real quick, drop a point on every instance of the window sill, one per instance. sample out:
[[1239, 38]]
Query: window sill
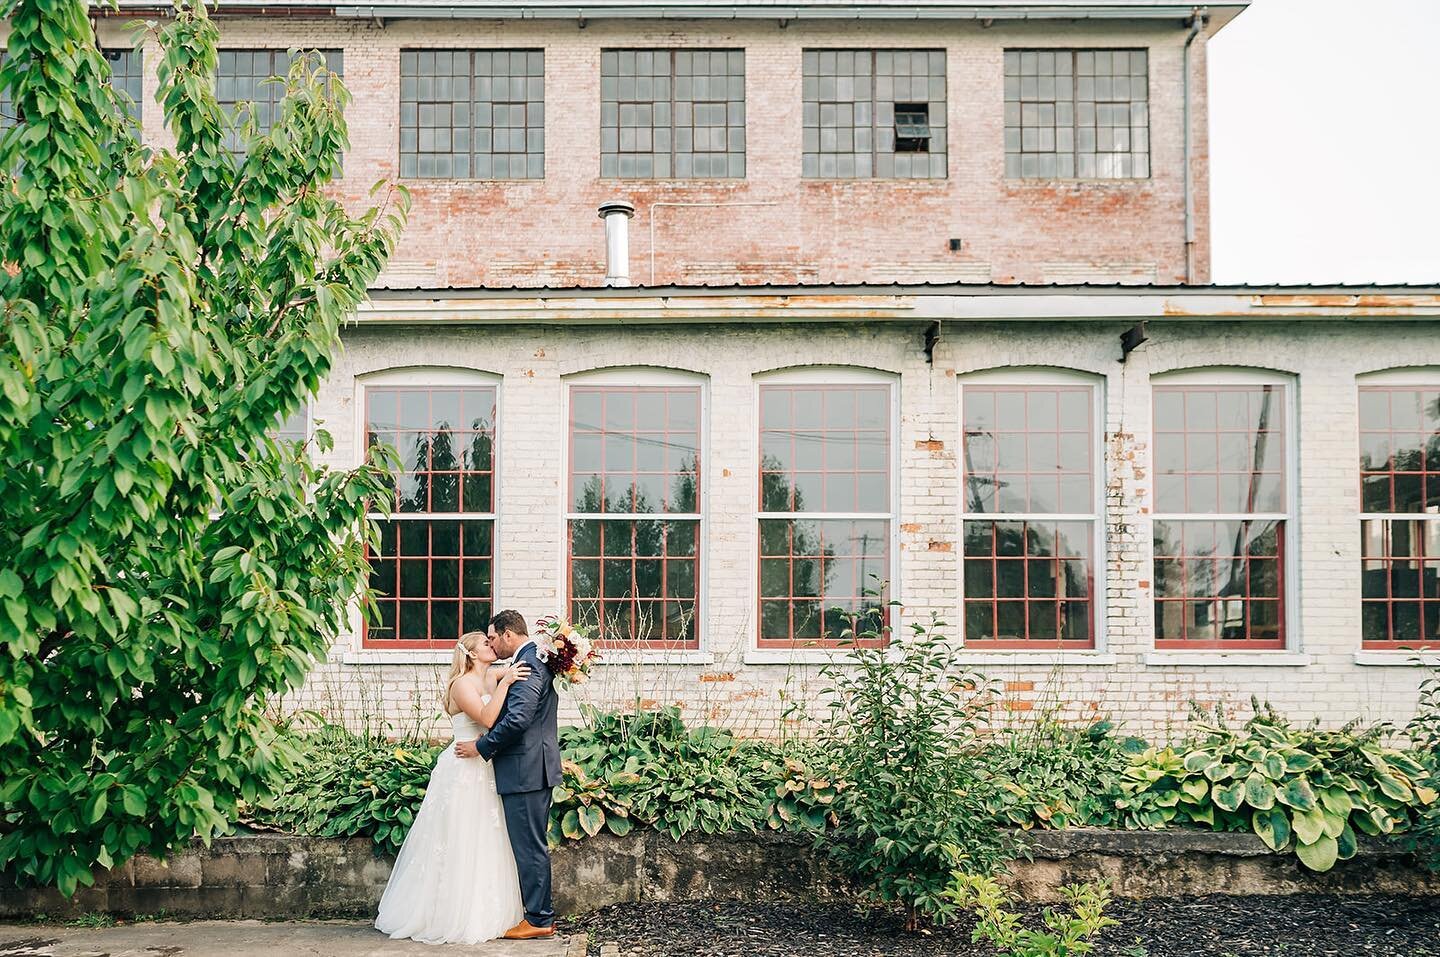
[[624, 656], [405, 656], [1398, 659], [1030, 658], [1219, 659]]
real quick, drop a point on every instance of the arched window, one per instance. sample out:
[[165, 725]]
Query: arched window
[[635, 511], [1031, 497], [1224, 508], [827, 502], [1400, 509], [434, 571]]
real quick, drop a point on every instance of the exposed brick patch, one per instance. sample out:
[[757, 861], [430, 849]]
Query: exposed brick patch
[[938, 546], [1019, 686], [930, 445], [1013, 705], [718, 676]]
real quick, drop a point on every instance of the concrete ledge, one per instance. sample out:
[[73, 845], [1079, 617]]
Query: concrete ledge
[[285, 877]]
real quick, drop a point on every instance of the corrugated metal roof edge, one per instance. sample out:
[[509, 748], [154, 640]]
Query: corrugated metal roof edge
[[908, 288]]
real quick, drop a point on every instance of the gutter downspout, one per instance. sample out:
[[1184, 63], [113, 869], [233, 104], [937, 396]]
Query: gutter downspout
[[1197, 24]]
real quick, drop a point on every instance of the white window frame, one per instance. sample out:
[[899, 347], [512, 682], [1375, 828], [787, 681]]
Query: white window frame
[[423, 377], [829, 375], [1292, 653], [1424, 377], [1030, 377], [643, 377]]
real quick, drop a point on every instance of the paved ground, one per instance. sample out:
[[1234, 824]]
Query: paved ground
[[233, 938]]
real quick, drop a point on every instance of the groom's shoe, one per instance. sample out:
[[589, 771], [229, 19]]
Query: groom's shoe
[[528, 931]]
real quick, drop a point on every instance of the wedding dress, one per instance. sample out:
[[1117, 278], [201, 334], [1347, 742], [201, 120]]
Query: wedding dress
[[455, 878]]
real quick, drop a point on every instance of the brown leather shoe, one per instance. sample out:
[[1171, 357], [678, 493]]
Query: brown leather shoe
[[528, 931]]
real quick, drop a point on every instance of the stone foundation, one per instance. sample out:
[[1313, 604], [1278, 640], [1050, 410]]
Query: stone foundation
[[285, 877]]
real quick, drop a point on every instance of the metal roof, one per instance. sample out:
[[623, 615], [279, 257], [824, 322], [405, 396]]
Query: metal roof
[[709, 9], [917, 288]]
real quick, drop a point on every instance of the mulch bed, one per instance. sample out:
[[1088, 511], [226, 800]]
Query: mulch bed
[[1213, 926]]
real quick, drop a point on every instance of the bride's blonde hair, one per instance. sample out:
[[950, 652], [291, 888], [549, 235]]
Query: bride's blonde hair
[[461, 664]]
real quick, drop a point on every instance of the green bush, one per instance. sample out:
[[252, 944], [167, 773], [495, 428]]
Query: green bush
[[1303, 789], [1054, 776], [349, 785], [902, 735], [1424, 733], [1064, 934]]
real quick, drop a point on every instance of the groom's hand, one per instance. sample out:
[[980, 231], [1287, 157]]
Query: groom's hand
[[466, 749]]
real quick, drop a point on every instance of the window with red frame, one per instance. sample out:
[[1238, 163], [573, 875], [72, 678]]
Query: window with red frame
[[1029, 461], [826, 510], [1400, 526], [433, 573], [633, 527], [1220, 516]]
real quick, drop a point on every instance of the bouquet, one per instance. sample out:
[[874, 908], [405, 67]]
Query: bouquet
[[568, 651]]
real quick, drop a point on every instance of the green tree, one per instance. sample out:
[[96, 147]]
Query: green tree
[[167, 569]]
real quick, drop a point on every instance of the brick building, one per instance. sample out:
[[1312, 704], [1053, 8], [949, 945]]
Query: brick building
[[917, 295]]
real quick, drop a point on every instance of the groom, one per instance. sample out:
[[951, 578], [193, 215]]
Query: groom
[[524, 748]]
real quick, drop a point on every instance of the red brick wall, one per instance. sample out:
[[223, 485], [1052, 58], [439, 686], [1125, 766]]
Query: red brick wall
[[546, 232]]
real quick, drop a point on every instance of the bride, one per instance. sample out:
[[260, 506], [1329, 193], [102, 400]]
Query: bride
[[455, 879]]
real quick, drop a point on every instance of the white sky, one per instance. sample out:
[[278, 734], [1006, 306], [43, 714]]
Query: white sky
[[1325, 139]]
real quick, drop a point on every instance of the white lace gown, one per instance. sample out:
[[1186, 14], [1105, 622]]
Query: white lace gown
[[455, 880]]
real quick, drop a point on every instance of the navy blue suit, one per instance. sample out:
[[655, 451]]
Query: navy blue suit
[[524, 748]]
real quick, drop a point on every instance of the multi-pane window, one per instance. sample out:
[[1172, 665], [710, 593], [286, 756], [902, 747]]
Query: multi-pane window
[[1221, 509], [826, 510], [874, 113], [1400, 526], [472, 114], [125, 75], [294, 427], [1077, 114], [633, 524], [672, 113], [255, 77], [433, 574], [1030, 515]]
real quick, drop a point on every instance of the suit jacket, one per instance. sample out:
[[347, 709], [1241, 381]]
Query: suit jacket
[[524, 745]]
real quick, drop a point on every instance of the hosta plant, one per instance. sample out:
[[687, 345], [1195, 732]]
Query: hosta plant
[[801, 800], [1308, 790]]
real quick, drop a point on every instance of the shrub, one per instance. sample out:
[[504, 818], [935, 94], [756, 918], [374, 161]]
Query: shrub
[[348, 785], [902, 736], [1424, 733], [1053, 776], [1064, 934], [1306, 789]]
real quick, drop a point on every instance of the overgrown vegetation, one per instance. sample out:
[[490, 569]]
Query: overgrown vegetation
[[1061, 933], [902, 734], [167, 569], [1424, 734]]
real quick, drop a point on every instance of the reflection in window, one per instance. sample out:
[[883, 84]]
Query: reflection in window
[[825, 509], [433, 572], [1029, 458], [1077, 114], [1219, 529], [874, 113], [633, 523], [1400, 476]]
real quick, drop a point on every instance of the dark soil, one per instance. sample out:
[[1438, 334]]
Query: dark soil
[[1213, 926]]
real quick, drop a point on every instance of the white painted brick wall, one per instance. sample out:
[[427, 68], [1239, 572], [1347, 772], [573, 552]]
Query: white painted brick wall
[[720, 685]]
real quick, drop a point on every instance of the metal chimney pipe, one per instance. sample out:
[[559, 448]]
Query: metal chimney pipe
[[617, 214]]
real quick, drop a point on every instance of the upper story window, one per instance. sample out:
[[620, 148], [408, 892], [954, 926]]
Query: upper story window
[[633, 522], [125, 75], [672, 113], [1077, 114], [256, 77], [1400, 522], [827, 508], [433, 573], [1222, 513], [472, 114], [1031, 512], [874, 113]]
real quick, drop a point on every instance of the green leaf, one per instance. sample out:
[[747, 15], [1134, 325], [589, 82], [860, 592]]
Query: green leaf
[[1319, 855], [1272, 827], [1259, 792], [570, 825], [1297, 794], [1347, 844], [1309, 825], [591, 819], [1228, 797], [619, 826]]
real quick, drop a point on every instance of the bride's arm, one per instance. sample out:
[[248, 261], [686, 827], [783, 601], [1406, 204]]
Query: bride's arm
[[507, 677]]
